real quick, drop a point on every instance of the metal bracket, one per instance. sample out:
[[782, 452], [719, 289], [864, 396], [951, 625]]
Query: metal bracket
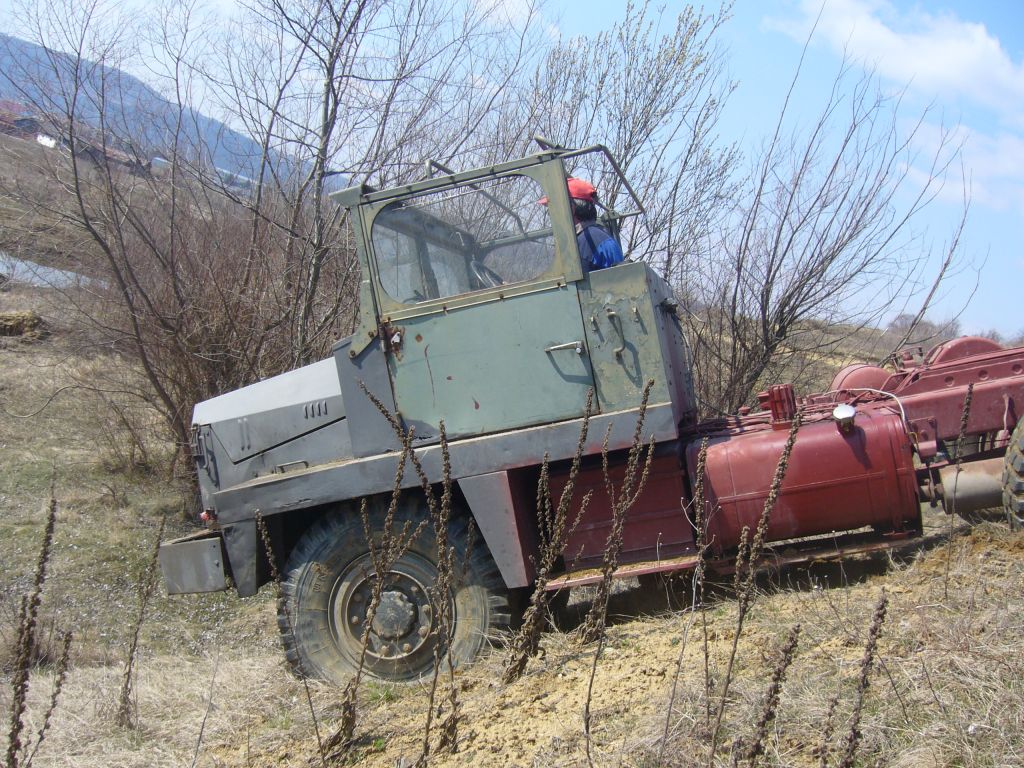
[[613, 318]]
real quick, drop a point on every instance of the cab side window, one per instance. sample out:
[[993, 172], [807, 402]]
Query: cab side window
[[472, 237]]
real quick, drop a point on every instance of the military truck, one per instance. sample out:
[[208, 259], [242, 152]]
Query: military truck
[[475, 310]]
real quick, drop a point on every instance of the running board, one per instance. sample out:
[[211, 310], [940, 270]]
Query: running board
[[777, 556]]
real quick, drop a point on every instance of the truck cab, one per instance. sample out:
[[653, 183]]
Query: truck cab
[[475, 302]]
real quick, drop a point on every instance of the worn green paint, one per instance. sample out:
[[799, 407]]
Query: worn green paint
[[483, 368], [482, 361]]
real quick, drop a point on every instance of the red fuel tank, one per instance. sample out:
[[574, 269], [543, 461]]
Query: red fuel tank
[[835, 481]]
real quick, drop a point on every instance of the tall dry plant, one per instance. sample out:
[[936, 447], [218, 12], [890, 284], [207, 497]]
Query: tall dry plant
[[554, 529], [699, 522], [386, 546], [853, 733], [275, 575], [18, 754], [747, 560], [621, 501], [147, 587], [439, 514], [752, 748]]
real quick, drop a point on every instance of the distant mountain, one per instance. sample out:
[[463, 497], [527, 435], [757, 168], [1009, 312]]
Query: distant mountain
[[32, 75]]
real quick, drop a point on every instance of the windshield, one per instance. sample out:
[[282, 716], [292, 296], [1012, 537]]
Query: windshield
[[466, 238]]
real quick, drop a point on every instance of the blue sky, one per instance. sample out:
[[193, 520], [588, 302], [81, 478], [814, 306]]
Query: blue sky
[[964, 61]]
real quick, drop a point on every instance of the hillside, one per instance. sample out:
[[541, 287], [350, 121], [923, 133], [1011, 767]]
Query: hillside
[[210, 687], [31, 75]]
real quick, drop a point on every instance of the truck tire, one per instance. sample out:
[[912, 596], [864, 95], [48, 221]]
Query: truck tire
[[1013, 479], [326, 592]]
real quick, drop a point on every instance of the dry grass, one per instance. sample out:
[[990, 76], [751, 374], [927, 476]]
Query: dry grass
[[955, 665], [945, 689]]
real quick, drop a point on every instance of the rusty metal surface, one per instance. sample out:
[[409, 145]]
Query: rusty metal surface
[[792, 553], [656, 526], [582, 577], [834, 481], [936, 389]]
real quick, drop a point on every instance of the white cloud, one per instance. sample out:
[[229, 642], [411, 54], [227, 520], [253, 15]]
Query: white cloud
[[938, 55], [957, 66]]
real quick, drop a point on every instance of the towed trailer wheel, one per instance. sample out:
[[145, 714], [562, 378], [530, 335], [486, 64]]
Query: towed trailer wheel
[[329, 584], [1013, 479]]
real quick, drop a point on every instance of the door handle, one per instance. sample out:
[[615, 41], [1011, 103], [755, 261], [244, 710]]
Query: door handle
[[575, 345]]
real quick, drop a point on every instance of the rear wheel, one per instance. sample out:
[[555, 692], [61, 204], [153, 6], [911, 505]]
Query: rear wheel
[[329, 582], [1013, 479]]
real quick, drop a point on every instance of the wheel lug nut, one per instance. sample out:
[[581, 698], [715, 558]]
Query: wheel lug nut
[[357, 597], [424, 631], [406, 647], [355, 619]]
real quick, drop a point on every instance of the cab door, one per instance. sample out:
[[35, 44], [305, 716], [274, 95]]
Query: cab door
[[476, 288]]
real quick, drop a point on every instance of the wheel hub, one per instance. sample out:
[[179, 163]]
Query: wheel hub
[[402, 628], [395, 615]]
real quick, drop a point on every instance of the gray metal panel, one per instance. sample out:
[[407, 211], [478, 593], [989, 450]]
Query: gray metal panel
[[623, 332], [312, 382], [329, 443], [491, 501], [474, 456], [193, 564], [247, 436], [250, 420], [369, 430], [674, 349], [241, 542]]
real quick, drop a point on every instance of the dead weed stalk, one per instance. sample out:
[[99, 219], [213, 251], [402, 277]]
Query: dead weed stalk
[[747, 558], [863, 680], [275, 574], [385, 548], [621, 501], [18, 754], [439, 513], [752, 748], [554, 529], [124, 716], [699, 522], [633, 483], [440, 598]]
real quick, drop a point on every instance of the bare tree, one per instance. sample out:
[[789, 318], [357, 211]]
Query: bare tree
[[654, 97], [216, 258], [823, 240]]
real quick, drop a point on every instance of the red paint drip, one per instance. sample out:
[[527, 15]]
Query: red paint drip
[[476, 405]]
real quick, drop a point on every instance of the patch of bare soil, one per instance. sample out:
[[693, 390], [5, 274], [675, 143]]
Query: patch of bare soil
[[945, 689]]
